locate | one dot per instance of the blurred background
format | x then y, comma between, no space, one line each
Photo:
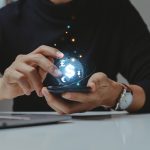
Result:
141,5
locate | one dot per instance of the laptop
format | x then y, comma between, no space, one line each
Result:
15,120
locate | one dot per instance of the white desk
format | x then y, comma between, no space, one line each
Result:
94,132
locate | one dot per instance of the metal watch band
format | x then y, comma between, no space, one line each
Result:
125,90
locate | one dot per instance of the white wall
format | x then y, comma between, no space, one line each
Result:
2,3
144,8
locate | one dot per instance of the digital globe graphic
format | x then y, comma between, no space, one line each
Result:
73,71
74,75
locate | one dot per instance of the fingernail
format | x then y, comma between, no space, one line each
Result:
66,96
59,54
28,93
40,94
57,73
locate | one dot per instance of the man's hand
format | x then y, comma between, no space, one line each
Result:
104,92
27,72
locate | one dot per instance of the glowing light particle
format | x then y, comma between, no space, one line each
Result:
73,40
68,26
73,59
80,56
79,73
78,84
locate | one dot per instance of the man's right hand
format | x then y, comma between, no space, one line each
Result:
27,72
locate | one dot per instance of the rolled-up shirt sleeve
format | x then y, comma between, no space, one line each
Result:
135,50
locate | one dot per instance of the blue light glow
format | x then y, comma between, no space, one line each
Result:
68,26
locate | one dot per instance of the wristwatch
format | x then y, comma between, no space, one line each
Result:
125,99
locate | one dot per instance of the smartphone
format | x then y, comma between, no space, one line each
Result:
64,89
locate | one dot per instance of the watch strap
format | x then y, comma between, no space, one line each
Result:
125,90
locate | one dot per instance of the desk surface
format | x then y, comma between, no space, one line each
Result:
88,131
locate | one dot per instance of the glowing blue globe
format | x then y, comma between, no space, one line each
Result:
72,70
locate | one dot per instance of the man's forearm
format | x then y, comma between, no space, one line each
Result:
139,98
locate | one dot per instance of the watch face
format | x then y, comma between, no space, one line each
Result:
126,101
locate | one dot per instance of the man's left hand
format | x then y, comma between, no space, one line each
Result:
104,92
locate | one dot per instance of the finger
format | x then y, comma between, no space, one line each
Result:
51,59
15,77
51,104
44,63
78,97
56,109
33,76
81,107
48,51
64,106
57,103
97,77
92,85
25,86
42,74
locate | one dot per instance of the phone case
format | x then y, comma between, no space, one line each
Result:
63,89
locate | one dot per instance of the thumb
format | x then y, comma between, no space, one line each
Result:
45,92
92,85
98,77
95,79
